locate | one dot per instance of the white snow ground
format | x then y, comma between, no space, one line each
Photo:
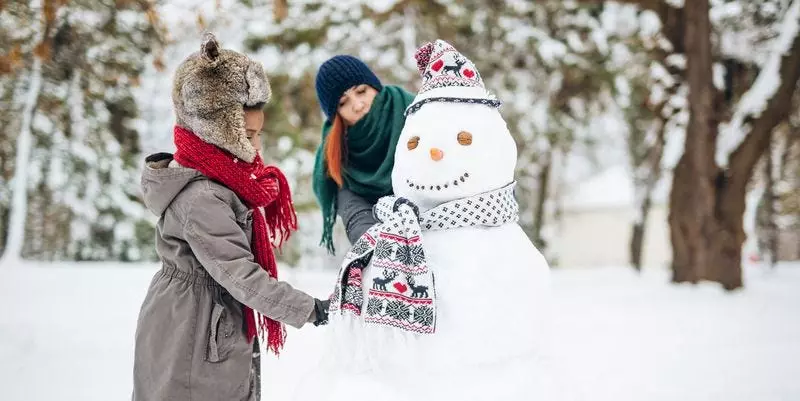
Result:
66,334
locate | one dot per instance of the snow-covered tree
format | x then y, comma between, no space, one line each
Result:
540,59
778,213
22,87
643,85
710,180
79,180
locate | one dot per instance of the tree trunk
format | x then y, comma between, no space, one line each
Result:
792,136
3,228
706,204
538,218
647,183
637,236
5,155
653,164
19,197
769,208
731,192
691,216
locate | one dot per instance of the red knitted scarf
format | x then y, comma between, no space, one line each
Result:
258,185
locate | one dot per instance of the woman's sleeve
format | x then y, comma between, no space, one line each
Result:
356,214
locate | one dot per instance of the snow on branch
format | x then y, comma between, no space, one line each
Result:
766,85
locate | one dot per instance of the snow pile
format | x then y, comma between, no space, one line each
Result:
68,334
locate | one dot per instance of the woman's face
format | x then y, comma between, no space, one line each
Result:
355,103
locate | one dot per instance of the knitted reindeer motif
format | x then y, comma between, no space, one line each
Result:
417,291
380,283
455,68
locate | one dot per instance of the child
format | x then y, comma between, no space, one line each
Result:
219,208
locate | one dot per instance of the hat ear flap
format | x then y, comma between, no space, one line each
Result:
258,88
210,47
230,133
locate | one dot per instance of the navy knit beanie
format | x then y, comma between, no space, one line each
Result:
336,76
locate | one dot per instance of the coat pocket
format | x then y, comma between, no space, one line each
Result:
244,216
220,339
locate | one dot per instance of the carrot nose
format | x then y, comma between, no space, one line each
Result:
436,154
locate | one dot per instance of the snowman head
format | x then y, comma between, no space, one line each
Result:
455,143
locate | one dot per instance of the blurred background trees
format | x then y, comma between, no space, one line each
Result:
695,101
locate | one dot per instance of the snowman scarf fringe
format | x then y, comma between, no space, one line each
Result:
402,293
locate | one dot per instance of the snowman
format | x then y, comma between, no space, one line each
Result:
446,298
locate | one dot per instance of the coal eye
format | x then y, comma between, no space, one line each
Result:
413,142
464,138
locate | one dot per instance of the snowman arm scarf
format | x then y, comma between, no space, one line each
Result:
401,292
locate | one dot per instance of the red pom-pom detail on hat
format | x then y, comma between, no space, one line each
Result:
423,56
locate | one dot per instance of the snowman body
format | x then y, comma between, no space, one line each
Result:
492,284
491,337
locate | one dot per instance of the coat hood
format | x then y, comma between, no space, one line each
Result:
163,180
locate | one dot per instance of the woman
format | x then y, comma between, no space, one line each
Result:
355,158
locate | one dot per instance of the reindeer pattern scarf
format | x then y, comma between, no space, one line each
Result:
402,293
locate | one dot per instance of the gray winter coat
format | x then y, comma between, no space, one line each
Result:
190,338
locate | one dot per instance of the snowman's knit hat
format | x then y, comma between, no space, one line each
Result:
448,76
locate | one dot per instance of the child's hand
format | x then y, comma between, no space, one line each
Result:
321,311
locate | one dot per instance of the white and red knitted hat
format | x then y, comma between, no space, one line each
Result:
448,76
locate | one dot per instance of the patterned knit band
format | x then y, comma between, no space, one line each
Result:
418,105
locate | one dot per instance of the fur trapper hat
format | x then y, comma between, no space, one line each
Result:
209,93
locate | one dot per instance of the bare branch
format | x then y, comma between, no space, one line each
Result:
745,157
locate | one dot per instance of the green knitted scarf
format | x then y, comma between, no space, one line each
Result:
369,156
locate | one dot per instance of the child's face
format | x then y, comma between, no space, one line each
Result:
253,122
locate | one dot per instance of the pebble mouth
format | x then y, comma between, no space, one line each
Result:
440,186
